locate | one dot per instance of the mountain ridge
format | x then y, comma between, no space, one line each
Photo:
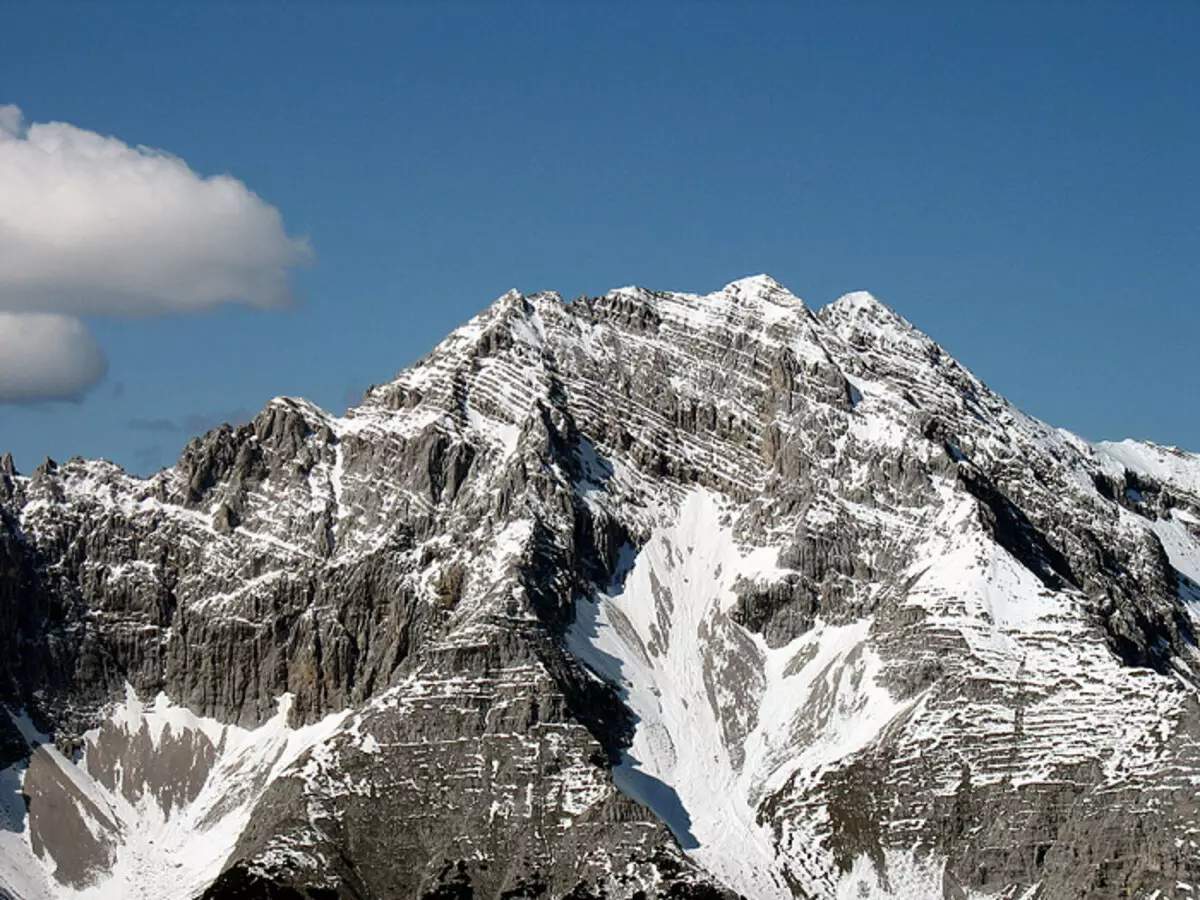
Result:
645,592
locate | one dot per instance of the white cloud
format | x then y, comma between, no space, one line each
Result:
90,226
44,356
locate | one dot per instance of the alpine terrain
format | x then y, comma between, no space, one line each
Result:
648,595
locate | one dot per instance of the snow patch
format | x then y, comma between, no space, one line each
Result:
157,853
717,709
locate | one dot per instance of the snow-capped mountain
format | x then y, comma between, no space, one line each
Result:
644,595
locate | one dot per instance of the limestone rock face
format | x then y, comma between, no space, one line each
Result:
642,595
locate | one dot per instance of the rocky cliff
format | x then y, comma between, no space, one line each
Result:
643,595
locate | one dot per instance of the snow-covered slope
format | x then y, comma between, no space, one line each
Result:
649,592
154,804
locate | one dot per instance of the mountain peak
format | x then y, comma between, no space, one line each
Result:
861,316
510,299
864,304
763,287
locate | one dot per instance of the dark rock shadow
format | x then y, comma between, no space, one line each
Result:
653,793
15,752
1189,596
1189,591
12,799
594,468
659,797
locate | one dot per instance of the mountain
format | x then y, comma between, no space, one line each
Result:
648,595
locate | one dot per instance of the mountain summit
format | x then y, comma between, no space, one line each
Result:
647,595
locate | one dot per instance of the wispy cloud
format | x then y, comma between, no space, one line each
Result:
156,425
193,423
197,423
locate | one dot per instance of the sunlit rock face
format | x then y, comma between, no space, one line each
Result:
648,595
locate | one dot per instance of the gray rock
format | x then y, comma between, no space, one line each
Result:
422,562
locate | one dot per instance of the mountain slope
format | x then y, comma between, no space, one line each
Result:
646,594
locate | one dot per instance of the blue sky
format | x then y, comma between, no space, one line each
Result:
1021,181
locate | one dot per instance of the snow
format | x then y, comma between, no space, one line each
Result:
859,302
505,434
905,876
160,855
1166,464
776,302
704,755
836,689
665,638
21,872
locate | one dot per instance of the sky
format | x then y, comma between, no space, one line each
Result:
248,200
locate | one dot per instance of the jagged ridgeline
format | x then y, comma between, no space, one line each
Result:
648,595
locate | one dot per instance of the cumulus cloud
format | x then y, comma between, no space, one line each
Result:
90,226
44,356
